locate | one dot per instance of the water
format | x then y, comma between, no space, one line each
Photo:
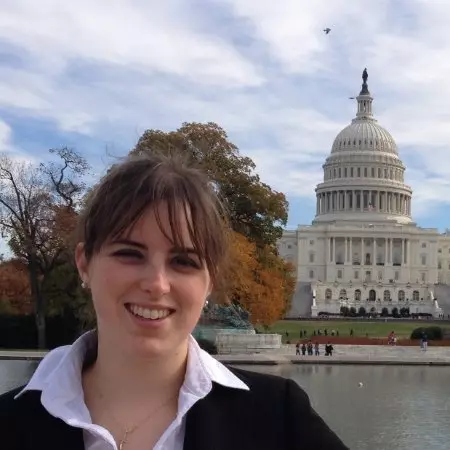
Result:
15,373
403,408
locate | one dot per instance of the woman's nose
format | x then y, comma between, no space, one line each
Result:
155,280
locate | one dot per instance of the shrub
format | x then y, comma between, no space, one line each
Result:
325,313
362,311
208,346
433,333
384,312
404,312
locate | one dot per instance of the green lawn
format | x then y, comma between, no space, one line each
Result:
360,329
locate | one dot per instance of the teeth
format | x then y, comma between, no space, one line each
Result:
147,313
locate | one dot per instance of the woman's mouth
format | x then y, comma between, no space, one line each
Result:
148,313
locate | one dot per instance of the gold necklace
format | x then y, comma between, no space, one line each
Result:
128,431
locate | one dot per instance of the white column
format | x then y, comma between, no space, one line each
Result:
353,200
403,251
361,200
334,250
346,251
351,251
374,256
362,252
391,249
407,252
329,250
386,251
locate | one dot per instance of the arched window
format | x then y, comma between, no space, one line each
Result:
387,296
372,295
415,296
401,296
342,294
357,295
328,294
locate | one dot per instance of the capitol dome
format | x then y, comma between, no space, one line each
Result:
364,134
363,175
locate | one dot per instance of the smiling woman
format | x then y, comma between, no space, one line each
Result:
152,248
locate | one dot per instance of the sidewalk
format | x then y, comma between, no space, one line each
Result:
349,354
343,354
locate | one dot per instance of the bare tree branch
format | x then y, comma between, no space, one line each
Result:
32,202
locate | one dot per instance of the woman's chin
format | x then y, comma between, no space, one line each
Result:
152,347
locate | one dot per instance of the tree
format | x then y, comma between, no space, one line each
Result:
37,205
362,311
404,312
384,312
265,288
15,294
255,210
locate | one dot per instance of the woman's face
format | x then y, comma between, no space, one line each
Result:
148,295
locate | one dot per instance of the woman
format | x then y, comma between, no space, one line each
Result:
152,249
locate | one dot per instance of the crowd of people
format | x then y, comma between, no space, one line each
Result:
310,349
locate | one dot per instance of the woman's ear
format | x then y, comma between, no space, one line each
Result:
81,262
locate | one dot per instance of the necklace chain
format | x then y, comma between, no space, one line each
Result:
131,430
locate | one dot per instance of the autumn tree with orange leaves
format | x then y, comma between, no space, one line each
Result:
259,280
15,293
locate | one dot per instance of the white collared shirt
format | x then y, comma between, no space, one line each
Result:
59,377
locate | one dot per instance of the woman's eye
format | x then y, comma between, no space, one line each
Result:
131,254
186,262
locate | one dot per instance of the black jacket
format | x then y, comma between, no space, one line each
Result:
274,415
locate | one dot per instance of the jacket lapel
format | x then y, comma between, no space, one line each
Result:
42,430
224,420
207,427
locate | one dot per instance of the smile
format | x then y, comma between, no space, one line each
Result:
148,313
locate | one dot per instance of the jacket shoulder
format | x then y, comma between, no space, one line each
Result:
278,400
270,385
8,404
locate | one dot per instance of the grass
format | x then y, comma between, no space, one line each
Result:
360,329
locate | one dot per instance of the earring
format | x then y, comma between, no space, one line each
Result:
83,285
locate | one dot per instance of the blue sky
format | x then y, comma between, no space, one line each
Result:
95,75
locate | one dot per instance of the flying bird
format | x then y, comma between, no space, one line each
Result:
351,98
327,30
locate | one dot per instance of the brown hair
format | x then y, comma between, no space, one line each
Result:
137,183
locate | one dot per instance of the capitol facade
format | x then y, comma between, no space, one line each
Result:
363,248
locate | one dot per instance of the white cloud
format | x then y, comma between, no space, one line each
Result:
5,136
269,76
144,36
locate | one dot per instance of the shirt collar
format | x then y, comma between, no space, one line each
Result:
59,373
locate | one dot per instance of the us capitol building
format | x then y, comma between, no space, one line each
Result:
363,248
